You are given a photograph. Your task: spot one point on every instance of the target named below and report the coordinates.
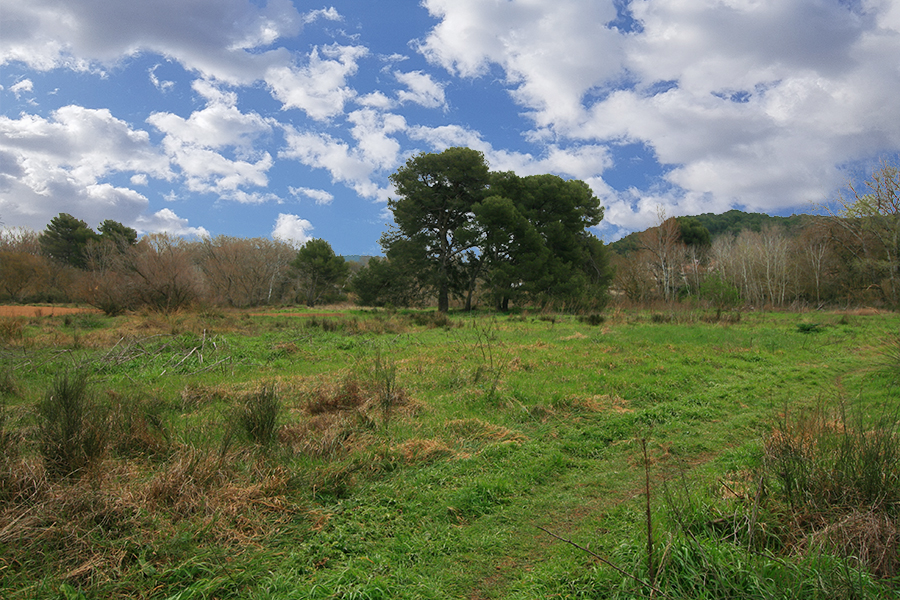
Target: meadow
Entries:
(399, 454)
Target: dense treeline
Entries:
(466, 235)
(850, 257)
(115, 271)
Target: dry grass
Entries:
(870, 539)
(66, 525)
(482, 431)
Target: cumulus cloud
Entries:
(552, 51)
(166, 221)
(292, 229)
(218, 38)
(421, 90)
(751, 104)
(62, 162)
(357, 166)
(196, 145)
(320, 196)
(320, 87)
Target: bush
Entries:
(72, 426)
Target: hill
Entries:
(731, 222)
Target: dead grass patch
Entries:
(482, 431)
(418, 451)
(871, 539)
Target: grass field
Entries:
(353, 454)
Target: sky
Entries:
(285, 118)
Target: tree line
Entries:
(849, 256)
(460, 232)
(467, 235)
(115, 271)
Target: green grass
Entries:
(437, 448)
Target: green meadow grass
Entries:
(416, 456)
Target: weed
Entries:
(808, 328)
(593, 319)
(823, 461)
(73, 426)
(137, 428)
(11, 330)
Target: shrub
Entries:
(822, 462)
(72, 426)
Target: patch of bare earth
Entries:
(44, 311)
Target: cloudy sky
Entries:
(284, 118)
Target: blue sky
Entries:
(285, 118)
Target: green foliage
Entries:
(382, 282)
(117, 233)
(720, 293)
(322, 273)
(693, 233)
(72, 426)
(65, 239)
(436, 195)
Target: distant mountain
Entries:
(731, 222)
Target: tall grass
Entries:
(258, 414)
(72, 426)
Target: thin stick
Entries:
(650, 570)
(607, 563)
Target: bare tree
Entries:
(666, 253)
(22, 274)
(870, 218)
(245, 272)
(166, 278)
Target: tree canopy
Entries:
(320, 270)
(457, 225)
(432, 214)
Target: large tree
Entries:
(573, 263)
(66, 238)
(433, 214)
(513, 255)
(320, 270)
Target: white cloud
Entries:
(166, 221)
(329, 13)
(196, 145)
(320, 196)
(292, 229)
(60, 164)
(376, 100)
(163, 86)
(219, 38)
(26, 85)
(553, 51)
(421, 89)
(754, 103)
(357, 167)
(319, 88)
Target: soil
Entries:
(43, 311)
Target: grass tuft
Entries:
(73, 426)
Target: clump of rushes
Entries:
(72, 426)
(258, 414)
